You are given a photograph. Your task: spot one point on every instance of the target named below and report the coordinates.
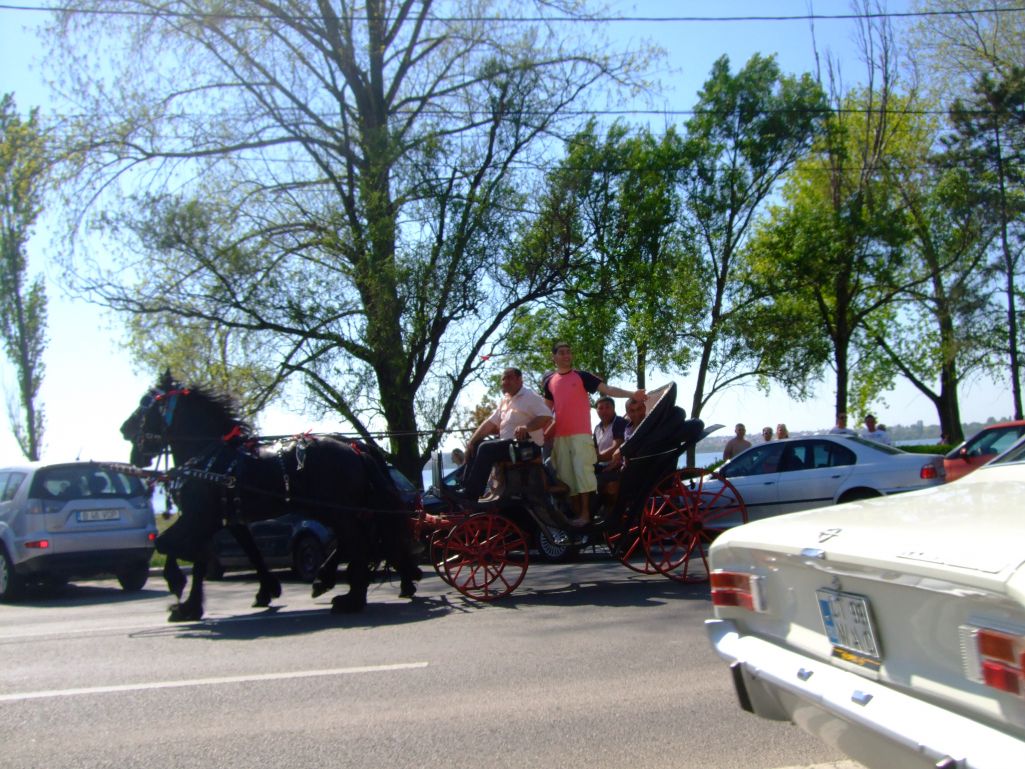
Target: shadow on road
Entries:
(623, 590)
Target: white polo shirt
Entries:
(520, 410)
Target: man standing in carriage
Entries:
(566, 392)
(521, 414)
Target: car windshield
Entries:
(1014, 454)
(83, 482)
(992, 440)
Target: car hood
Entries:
(972, 531)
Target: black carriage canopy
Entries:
(655, 446)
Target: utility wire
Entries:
(532, 19)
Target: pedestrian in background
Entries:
(736, 444)
(782, 432)
(766, 434)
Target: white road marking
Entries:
(17, 697)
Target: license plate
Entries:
(86, 516)
(847, 619)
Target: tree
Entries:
(989, 138)
(24, 169)
(944, 332)
(960, 40)
(363, 173)
(616, 195)
(747, 132)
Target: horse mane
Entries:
(211, 398)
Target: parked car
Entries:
(68, 521)
(297, 542)
(800, 473)
(982, 447)
(894, 628)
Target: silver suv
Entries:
(66, 521)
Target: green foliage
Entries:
(614, 198)
(24, 172)
(748, 130)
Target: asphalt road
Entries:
(587, 665)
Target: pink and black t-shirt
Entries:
(568, 392)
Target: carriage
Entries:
(655, 518)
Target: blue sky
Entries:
(90, 386)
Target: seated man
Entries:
(636, 410)
(608, 434)
(520, 414)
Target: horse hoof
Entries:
(319, 588)
(347, 604)
(407, 589)
(182, 613)
(261, 602)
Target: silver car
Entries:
(67, 521)
(801, 473)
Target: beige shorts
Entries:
(573, 457)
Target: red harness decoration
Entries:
(235, 432)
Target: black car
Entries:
(296, 542)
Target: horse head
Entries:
(147, 427)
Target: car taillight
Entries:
(152, 536)
(994, 657)
(38, 544)
(737, 588)
(928, 472)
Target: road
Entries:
(587, 665)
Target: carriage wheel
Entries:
(686, 511)
(484, 557)
(626, 546)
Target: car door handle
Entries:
(768, 483)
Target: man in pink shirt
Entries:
(566, 392)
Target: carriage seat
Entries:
(525, 463)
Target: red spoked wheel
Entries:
(686, 511)
(627, 548)
(484, 557)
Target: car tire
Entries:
(307, 557)
(855, 494)
(134, 579)
(11, 585)
(549, 552)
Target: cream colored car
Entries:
(892, 628)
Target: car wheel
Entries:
(855, 494)
(10, 583)
(134, 578)
(550, 552)
(307, 557)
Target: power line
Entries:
(807, 17)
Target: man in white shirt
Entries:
(874, 433)
(521, 414)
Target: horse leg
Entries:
(409, 574)
(358, 573)
(191, 609)
(327, 574)
(174, 576)
(270, 586)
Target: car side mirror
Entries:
(964, 453)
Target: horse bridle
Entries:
(166, 401)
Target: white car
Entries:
(893, 629)
(801, 473)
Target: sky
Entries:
(90, 386)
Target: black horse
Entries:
(222, 477)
